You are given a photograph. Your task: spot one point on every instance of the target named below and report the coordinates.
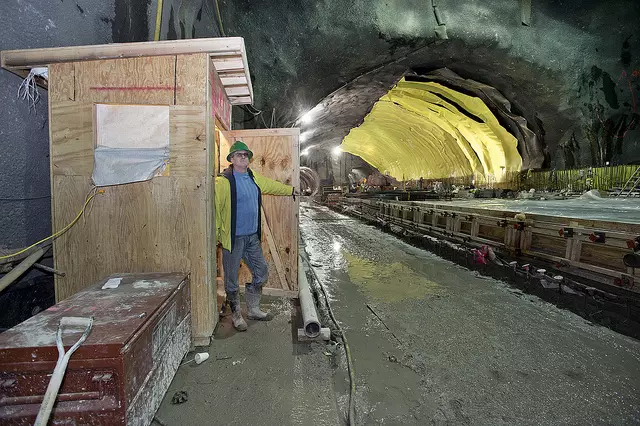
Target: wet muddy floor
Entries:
(435, 343)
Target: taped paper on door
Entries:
(132, 143)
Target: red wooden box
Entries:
(119, 375)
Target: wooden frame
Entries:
(540, 238)
(162, 225)
(228, 54)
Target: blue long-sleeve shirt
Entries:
(247, 204)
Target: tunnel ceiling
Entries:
(424, 129)
(560, 73)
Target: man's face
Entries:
(240, 159)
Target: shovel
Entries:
(61, 366)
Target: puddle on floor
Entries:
(388, 282)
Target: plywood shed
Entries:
(165, 224)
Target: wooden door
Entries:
(276, 155)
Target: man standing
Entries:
(238, 200)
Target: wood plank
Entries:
(233, 64)
(240, 100)
(147, 80)
(492, 232)
(43, 57)
(71, 125)
(62, 82)
(237, 91)
(213, 301)
(188, 136)
(191, 79)
(222, 150)
(227, 80)
(275, 292)
(604, 256)
(69, 193)
(273, 248)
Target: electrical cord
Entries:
(92, 193)
(220, 19)
(156, 35)
(351, 418)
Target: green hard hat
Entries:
(239, 146)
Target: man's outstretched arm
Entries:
(273, 187)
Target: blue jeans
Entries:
(245, 247)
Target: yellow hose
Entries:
(60, 232)
(156, 37)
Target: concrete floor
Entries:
(435, 343)
(432, 343)
(259, 377)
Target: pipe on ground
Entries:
(22, 267)
(307, 305)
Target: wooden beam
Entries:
(42, 57)
(233, 81)
(237, 91)
(240, 100)
(228, 65)
(274, 292)
(274, 252)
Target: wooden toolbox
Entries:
(119, 375)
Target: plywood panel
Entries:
(71, 138)
(191, 79)
(276, 156)
(603, 255)
(62, 82)
(146, 80)
(188, 141)
(153, 226)
(492, 233)
(547, 244)
(223, 150)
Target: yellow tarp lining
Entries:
(417, 130)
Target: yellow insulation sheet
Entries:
(417, 130)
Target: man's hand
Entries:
(295, 192)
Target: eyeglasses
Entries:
(241, 154)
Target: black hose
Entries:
(351, 415)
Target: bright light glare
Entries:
(337, 246)
(307, 150)
(337, 150)
(305, 135)
(309, 115)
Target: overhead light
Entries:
(307, 150)
(308, 116)
(305, 135)
(337, 150)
